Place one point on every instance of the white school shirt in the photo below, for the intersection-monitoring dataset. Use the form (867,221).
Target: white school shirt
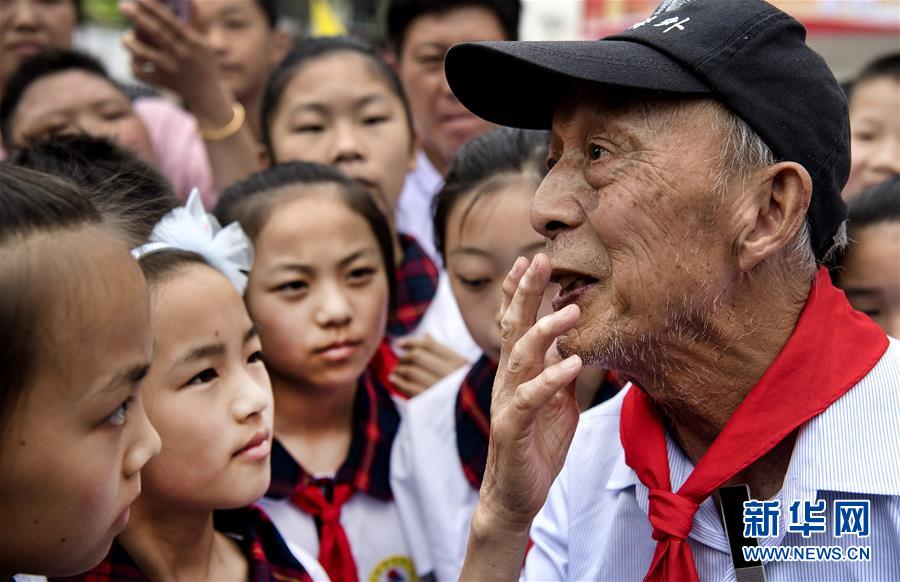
(372,526)
(413,211)
(373,529)
(435,499)
(443,321)
(594,525)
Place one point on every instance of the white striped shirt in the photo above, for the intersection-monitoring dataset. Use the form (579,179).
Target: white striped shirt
(594,525)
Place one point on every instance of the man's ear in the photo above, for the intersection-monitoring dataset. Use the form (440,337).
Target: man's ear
(782,199)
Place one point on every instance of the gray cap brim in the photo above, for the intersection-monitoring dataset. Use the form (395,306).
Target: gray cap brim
(520,84)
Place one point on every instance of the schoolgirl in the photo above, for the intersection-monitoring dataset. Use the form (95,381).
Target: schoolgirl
(319,290)
(335,101)
(482,225)
(75,329)
(208,394)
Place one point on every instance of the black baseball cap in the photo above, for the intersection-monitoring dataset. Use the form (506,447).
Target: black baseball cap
(746,54)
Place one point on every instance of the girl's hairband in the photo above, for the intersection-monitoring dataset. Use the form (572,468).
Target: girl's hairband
(190,228)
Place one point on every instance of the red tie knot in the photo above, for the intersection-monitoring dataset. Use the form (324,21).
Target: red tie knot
(671,515)
(330,513)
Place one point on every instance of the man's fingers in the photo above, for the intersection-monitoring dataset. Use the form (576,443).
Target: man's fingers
(533,395)
(523,308)
(528,354)
(511,283)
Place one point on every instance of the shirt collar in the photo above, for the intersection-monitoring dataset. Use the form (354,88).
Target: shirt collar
(426,174)
(837,450)
(852,446)
(416,280)
(367,466)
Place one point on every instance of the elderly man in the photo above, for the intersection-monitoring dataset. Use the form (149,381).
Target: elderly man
(696,165)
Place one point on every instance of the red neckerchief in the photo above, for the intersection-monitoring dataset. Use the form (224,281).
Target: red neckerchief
(417,281)
(831,349)
(366,470)
(473,419)
(268,557)
(334,547)
(473,415)
(382,366)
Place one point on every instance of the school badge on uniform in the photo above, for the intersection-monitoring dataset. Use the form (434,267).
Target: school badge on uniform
(394,569)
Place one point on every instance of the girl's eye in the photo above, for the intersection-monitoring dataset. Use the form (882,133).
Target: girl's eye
(118,417)
(293,286)
(255,357)
(361,275)
(375,120)
(873,312)
(235,24)
(474,284)
(207,375)
(309,128)
(596,152)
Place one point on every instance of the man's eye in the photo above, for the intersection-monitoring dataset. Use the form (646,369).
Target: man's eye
(207,375)
(596,152)
(550,163)
(255,357)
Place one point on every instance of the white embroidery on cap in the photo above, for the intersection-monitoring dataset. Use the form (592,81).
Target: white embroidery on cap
(671,6)
(665,6)
(673,22)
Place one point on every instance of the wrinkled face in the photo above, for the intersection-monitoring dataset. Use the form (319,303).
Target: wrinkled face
(874,134)
(30,27)
(76,101)
(318,291)
(871,274)
(208,395)
(484,238)
(72,451)
(637,237)
(441,120)
(246,47)
(339,110)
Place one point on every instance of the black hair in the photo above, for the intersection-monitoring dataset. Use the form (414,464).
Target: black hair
(884,66)
(33,204)
(876,204)
(161,265)
(402,13)
(270,9)
(311,48)
(127,191)
(37,67)
(252,201)
(481,165)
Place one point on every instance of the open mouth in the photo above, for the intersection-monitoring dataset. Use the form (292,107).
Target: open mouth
(572,285)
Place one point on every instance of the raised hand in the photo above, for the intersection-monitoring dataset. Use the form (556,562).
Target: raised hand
(423,363)
(533,418)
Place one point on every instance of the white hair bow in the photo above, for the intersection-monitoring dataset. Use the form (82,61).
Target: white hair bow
(190,228)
